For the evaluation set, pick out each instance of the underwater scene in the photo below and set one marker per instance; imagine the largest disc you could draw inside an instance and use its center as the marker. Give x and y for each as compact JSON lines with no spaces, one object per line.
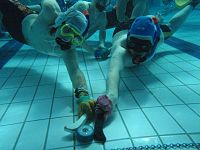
{"x":99,"y":74}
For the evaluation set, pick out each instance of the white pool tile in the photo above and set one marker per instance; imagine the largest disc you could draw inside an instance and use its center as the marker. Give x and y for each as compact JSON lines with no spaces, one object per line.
{"x":112,"y":129}
{"x":145,"y":98}
{"x":118,"y":144}
{"x":44,"y":92}
{"x":25,"y":94}
{"x":57,"y":137}
{"x":3,"y":109}
{"x":148,"y":141}
{"x":9,"y":135}
{"x":33,"y":135}
{"x":162,"y":121}
{"x":39,"y":110}
{"x":165,"y":96}
{"x":134,"y":119}
{"x":195,"y":107}
{"x":126,"y":101}
{"x":98,"y":86}
{"x":7,"y":95}
{"x":151,"y":82}
{"x":133,"y":83}
{"x":186,"y":94}
{"x":62,"y":107}
{"x":32,"y":80}
{"x":168,"y":80}
{"x":185,"y":117}
{"x":173,"y":139}
{"x":186,"y":78}
{"x":13,"y":82}
{"x":16,"y":113}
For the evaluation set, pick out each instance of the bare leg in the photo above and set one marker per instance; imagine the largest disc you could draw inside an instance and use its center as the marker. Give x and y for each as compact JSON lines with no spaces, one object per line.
{"x":140,"y":8}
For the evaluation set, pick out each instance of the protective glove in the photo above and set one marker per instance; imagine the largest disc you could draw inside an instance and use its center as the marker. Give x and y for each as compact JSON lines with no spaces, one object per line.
{"x":102,"y":110}
{"x":102,"y":53}
{"x":86,"y":105}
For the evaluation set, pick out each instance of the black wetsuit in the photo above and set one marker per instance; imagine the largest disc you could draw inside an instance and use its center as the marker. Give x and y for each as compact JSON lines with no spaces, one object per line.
{"x":13,"y":14}
{"x":111,"y":16}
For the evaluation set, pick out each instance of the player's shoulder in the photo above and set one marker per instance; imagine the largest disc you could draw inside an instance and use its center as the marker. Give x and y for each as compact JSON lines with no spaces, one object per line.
{"x":81,"y":5}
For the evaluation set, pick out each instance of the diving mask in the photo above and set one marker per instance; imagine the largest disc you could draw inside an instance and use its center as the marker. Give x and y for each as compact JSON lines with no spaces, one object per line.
{"x":139,"y":49}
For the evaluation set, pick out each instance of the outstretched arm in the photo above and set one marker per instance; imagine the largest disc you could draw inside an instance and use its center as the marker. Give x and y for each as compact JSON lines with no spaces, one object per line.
{"x":76,"y":75}
{"x":116,"y":65}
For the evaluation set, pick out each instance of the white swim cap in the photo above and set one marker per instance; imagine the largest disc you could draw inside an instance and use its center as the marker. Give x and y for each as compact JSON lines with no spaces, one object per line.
{"x":74,"y":18}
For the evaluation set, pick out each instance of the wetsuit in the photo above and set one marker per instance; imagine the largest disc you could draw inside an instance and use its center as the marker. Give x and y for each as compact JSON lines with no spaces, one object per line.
{"x":13,"y":14}
{"x":111,"y":16}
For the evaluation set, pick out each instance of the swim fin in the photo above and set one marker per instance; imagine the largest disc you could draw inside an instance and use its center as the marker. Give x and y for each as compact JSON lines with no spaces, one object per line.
{"x":182,"y":3}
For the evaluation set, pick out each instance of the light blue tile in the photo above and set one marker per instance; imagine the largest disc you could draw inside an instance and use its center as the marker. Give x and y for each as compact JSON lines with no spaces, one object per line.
{"x":63,"y":77}
{"x":162,"y":121}
{"x":33,"y":136}
{"x":185,"y":117}
{"x":63,"y":90}
{"x":39,"y":110}
{"x":196,"y":74}
{"x":173,"y":139}
{"x":25,"y":94}
{"x":186,"y":66}
{"x":6,"y":72}
{"x":98,"y":86}
{"x":13,"y":82}
{"x":122,"y":86}
{"x":113,"y":127}
{"x":57,"y":137}
{"x":186,"y":78}
{"x":95,"y":74}
{"x":6,"y":95}
{"x":126,"y":101}
{"x":172,"y":58}
{"x":146,"y":141}
{"x":195,"y":63}
{"x":134,"y":83}
{"x":35,"y":70}
{"x":45,"y":92}
{"x":196,"y":88}
{"x":119,"y":144}
{"x":16,"y":113}
{"x":140,"y":70}
{"x":92,"y":146}
{"x":2,"y":81}
{"x":186,"y":94}
{"x":9,"y":135}
{"x":2,"y":109}
{"x":195,"y":107}
{"x":145,"y":98}
{"x":48,"y":79}
{"x":92,"y":64}
{"x":20,"y":72}
{"x":134,"y":119}
{"x":52,"y":61}
{"x":170,"y":67}
{"x":168,"y":80}
{"x":31,"y":80}
{"x":186,"y":56}
{"x":165,"y":96}
{"x":62,"y":107}
{"x":40,"y":60}
{"x":151,"y":81}
{"x":127,"y":72}
{"x":195,"y":137}
{"x":155,"y":69}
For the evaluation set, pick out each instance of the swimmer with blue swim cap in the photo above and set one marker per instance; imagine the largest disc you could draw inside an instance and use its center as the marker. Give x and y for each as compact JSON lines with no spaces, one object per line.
{"x":135,"y":42}
{"x":142,"y":38}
